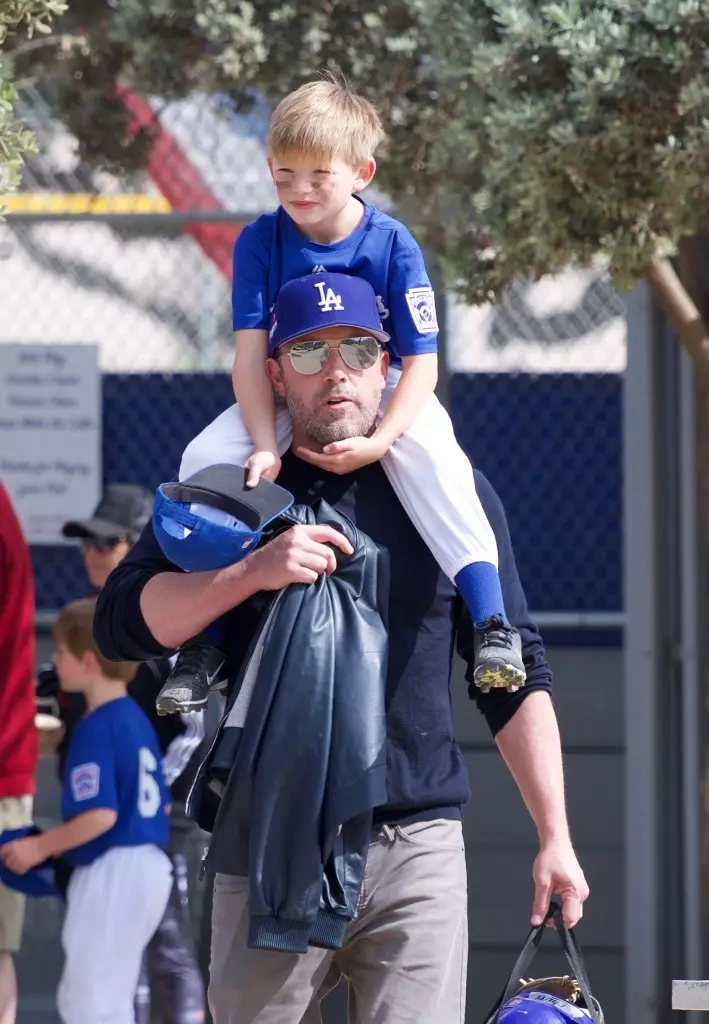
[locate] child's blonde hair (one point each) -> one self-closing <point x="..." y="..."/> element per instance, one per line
<point x="73" y="629"/>
<point x="326" y="118"/>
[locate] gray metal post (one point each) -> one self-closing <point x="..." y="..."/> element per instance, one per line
<point x="641" y="668"/>
<point x="690" y="674"/>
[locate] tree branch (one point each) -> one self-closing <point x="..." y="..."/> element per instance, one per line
<point x="681" y="311"/>
<point x="65" y="42"/>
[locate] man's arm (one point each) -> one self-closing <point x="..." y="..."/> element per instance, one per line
<point x="120" y="629"/>
<point x="527" y="734"/>
<point x="177" y="606"/>
<point x="149" y="607"/>
<point x="531" y="747"/>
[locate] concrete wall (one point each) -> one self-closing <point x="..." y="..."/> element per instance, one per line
<point x="501" y="839"/>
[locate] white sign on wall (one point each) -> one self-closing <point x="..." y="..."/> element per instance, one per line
<point x="50" y="435"/>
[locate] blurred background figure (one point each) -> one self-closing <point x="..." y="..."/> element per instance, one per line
<point x="170" y="978"/>
<point x="18" y="743"/>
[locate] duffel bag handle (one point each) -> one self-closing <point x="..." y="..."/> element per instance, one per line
<point x="572" y="952"/>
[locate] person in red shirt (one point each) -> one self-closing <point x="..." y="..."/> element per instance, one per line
<point x="18" y="737"/>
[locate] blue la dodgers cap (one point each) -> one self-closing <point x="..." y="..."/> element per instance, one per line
<point x="316" y="301"/>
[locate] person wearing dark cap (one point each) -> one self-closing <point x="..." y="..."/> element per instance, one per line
<point x="107" y="536"/>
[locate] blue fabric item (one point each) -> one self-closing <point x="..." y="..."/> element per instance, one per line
<point x="195" y="543"/>
<point x="39" y="880"/>
<point x="214" y="633"/>
<point x="115" y="763"/>
<point x="317" y="301"/>
<point x="271" y="251"/>
<point x="329" y="930"/>
<point x="278" y="934"/>
<point x="479" y="586"/>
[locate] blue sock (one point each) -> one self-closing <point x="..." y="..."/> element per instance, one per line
<point x="479" y="586"/>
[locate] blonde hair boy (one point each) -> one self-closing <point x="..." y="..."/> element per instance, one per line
<point x="326" y="118"/>
<point x="73" y="632"/>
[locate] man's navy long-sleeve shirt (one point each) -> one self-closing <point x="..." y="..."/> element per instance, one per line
<point x="426" y="771"/>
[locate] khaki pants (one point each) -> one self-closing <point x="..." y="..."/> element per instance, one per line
<point x="15" y="812"/>
<point x="405" y="954"/>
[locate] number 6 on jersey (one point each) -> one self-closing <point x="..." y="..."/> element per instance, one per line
<point x="148" y="787"/>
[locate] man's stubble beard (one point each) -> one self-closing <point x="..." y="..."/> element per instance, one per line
<point x="358" y="422"/>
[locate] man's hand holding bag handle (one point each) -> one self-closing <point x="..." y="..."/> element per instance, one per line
<point x="556" y="1000"/>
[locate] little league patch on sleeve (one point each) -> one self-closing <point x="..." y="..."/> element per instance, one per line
<point x="422" y="305"/>
<point x="84" y="781"/>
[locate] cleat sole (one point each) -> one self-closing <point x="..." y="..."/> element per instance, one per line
<point x="170" y="706"/>
<point x="498" y="675"/>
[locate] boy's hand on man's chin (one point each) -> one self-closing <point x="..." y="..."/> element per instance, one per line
<point x="345" y="456"/>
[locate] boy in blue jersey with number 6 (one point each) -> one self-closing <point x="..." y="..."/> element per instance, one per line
<point x="321" y="144"/>
<point x="114" y="833"/>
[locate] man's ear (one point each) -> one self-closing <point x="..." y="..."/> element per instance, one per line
<point x="273" y="369"/>
<point x="385" y="367"/>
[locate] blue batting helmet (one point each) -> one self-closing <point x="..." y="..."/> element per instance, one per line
<point x="540" y="1007"/>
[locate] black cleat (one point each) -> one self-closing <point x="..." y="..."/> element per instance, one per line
<point x="198" y="670"/>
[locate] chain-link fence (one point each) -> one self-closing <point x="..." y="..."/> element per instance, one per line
<point x="138" y="265"/>
<point x="536" y="398"/>
<point x="152" y="291"/>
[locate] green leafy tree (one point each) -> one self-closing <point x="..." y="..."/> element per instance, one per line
<point x="24" y="19"/>
<point x="168" y="49"/>
<point x="586" y="126"/>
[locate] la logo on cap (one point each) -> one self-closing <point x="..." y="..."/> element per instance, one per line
<point x="328" y="299"/>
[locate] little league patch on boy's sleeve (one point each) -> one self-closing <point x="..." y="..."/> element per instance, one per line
<point x="84" y="781"/>
<point x="422" y="305"/>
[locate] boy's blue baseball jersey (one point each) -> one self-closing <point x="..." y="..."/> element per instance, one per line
<point x="114" y="763"/>
<point x="272" y="250"/>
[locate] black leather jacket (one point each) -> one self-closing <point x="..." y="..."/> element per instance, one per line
<point x="298" y="763"/>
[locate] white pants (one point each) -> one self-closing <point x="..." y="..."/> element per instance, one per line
<point x="429" y="471"/>
<point x="114" y="907"/>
